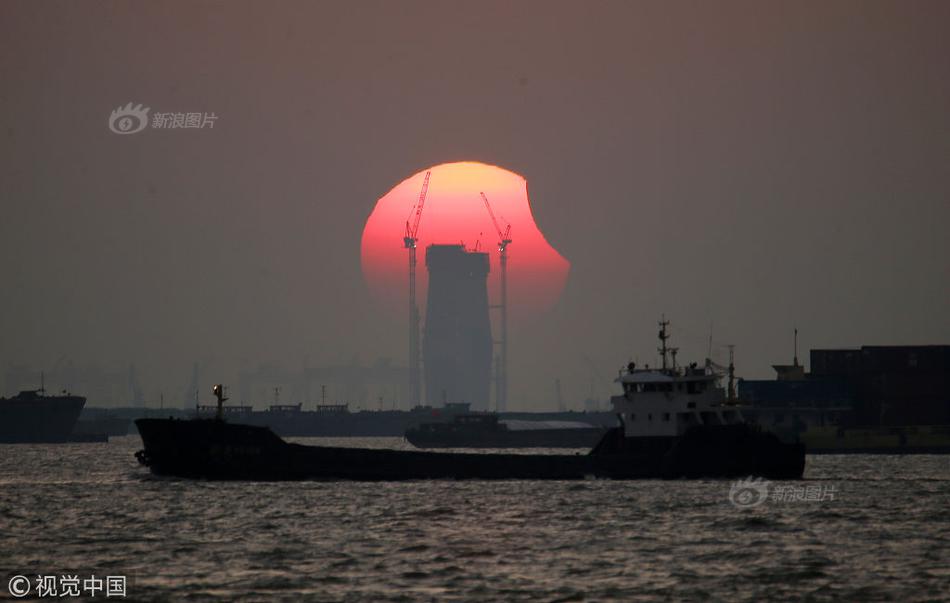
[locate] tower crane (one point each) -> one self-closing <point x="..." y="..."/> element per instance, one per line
<point x="409" y="241"/>
<point x="501" y="379"/>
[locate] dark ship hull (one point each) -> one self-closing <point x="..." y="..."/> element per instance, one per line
<point x="33" y="418"/>
<point x="487" y="430"/>
<point x="528" y="438"/>
<point x="214" y="449"/>
<point x="380" y="423"/>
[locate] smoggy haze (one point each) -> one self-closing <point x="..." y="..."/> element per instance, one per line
<point x="753" y="165"/>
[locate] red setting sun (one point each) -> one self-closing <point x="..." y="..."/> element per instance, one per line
<point x="455" y="213"/>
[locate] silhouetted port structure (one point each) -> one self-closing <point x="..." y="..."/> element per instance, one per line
<point x="876" y="385"/>
<point x="457" y="347"/>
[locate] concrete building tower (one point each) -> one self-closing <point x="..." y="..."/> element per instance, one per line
<point x="457" y="346"/>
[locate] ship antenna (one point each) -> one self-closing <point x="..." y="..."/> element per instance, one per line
<point x="663" y="337"/>
<point x="795" y="358"/>
<point x="42" y="383"/>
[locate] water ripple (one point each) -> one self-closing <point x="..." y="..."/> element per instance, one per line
<point x="92" y="509"/>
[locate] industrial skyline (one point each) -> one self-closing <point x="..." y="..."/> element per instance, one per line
<point x="745" y="169"/>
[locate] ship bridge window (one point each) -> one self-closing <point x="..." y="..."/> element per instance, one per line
<point x="666" y="416"/>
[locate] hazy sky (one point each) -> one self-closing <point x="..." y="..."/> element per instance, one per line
<point x="751" y="165"/>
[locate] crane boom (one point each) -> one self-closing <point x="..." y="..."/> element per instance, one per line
<point x="413" y="229"/>
<point x="503" y="237"/>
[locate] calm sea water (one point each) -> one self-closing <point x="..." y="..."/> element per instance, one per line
<point x="882" y="533"/>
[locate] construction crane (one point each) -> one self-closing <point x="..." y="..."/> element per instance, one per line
<point x="409" y="241"/>
<point x="501" y="377"/>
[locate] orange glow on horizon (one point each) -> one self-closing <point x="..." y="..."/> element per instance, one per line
<point x="455" y="213"/>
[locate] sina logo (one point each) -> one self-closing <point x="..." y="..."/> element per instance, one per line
<point x="749" y="492"/>
<point x="128" y="119"/>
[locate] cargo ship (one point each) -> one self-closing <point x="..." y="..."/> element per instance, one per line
<point x="33" y="417"/>
<point x="487" y="430"/>
<point x="673" y="423"/>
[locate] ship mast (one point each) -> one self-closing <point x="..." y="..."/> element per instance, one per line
<point x="663" y="337"/>
<point x="218" y="391"/>
<point x="795" y="356"/>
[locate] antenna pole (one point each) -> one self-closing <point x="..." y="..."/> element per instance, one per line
<point x="663" y="337"/>
<point x="795" y="362"/>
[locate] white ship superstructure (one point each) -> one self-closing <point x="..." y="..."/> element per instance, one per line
<point x="667" y="401"/>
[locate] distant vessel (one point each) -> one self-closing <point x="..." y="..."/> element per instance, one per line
<point x="486" y="430"/>
<point x="32" y="416"/>
<point x="696" y="434"/>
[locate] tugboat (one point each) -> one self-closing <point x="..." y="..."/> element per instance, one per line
<point x="674" y="423"/>
<point x="486" y="430"/>
<point x="697" y="429"/>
